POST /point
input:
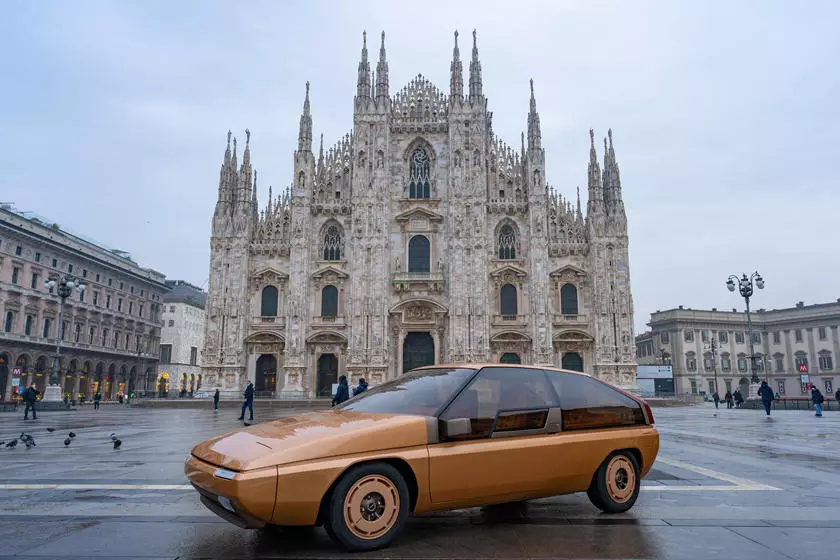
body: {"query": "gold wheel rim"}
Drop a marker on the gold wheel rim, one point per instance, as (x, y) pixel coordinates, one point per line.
(371, 506)
(621, 479)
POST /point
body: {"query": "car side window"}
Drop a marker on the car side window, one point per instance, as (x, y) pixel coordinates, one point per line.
(588, 403)
(525, 393)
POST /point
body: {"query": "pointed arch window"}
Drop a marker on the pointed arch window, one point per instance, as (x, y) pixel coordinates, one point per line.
(419, 254)
(268, 307)
(508, 305)
(507, 242)
(419, 185)
(329, 301)
(568, 300)
(332, 244)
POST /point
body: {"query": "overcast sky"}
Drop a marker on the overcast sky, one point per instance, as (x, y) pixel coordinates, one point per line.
(725, 119)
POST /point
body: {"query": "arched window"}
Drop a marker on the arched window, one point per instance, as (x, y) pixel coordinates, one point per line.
(419, 174)
(268, 307)
(508, 307)
(572, 361)
(419, 254)
(510, 358)
(329, 301)
(10, 317)
(507, 242)
(332, 244)
(568, 300)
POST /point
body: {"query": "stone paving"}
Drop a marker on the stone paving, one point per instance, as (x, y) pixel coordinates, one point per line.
(727, 484)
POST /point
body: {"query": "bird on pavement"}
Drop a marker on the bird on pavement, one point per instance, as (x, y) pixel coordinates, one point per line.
(12, 443)
(113, 437)
(67, 441)
(117, 444)
(71, 434)
(50, 429)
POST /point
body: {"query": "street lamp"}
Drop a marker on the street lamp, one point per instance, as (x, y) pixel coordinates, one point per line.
(64, 287)
(713, 345)
(745, 288)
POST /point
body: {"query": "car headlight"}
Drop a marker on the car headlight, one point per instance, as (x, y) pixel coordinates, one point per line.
(227, 504)
(224, 473)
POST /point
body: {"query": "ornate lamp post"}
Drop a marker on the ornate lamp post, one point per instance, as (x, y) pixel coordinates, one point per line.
(64, 286)
(745, 288)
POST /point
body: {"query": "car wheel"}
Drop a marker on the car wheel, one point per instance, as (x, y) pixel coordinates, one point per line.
(368, 507)
(617, 482)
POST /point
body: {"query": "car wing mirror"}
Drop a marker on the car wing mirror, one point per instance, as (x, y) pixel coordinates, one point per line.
(457, 427)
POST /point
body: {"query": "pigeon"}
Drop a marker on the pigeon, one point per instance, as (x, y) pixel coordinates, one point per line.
(12, 443)
(71, 434)
(50, 430)
(67, 441)
(113, 437)
(117, 444)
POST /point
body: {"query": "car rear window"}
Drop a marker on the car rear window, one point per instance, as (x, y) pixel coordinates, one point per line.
(588, 403)
(422, 392)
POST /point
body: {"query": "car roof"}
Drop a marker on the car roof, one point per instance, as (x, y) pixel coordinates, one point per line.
(481, 365)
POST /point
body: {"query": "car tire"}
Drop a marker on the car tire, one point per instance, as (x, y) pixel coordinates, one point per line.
(616, 485)
(368, 507)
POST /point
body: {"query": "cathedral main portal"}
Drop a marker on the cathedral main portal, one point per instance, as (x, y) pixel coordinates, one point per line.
(418, 350)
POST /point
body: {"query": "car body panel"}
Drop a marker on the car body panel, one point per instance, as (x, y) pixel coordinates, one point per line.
(312, 436)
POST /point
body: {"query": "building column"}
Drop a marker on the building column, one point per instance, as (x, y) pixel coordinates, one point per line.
(62, 377)
(436, 339)
(76, 383)
(400, 343)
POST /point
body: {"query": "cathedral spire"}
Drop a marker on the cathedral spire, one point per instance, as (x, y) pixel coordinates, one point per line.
(321, 156)
(224, 172)
(534, 133)
(363, 81)
(456, 73)
(305, 134)
(612, 177)
(595, 202)
(382, 74)
(475, 72)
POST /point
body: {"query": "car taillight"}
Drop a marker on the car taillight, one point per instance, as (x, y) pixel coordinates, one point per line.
(648, 412)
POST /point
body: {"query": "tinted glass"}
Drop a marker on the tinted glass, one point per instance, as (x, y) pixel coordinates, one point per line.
(499, 388)
(525, 420)
(421, 392)
(588, 403)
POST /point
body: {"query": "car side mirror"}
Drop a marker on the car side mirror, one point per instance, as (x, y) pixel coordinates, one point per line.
(457, 427)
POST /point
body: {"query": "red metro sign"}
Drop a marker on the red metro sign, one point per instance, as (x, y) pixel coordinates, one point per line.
(803, 368)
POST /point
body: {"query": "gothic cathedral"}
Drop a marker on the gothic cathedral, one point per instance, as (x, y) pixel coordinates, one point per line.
(420, 237)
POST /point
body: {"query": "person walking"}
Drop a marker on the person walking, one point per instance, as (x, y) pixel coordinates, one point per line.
(716, 398)
(817, 398)
(766, 394)
(30, 397)
(361, 387)
(837, 398)
(728, 398)
(739, 398)
(96, 398)
(249, 401)
(342, 393)
(216, 401)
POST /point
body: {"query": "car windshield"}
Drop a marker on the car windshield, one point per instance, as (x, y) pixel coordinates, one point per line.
(421, 392)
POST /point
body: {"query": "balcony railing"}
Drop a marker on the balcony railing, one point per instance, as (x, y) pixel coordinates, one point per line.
(569, 318)
(268, 322)
(509, 320)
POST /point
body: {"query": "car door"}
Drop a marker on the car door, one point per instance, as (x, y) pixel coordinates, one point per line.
(510, 449)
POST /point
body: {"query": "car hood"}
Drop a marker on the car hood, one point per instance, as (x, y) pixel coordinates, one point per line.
(315, 435)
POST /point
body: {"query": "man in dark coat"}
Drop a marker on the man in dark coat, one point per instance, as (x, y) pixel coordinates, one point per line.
(766, 394)
(342, 393)
(716, 398)
(249, 401)
(96, 398)
(30, 397)
(837, 397)
(361, 387)
(216, 401)
(817, 398)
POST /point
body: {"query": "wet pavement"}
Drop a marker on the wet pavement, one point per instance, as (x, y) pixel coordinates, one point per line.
(731, 485)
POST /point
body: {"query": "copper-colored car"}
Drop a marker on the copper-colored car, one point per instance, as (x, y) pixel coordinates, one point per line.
(436, 438)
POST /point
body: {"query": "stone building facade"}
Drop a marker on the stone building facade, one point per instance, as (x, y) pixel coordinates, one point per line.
(420, 237)
(181, 339)
(111, 333)
(788, 343)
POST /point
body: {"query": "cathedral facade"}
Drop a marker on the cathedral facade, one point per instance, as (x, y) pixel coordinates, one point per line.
(420, 237)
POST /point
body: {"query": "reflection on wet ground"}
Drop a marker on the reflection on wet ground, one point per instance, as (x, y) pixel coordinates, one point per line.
(703, 499)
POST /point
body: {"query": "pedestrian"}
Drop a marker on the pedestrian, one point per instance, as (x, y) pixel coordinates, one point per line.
(216, 401)
(30, 397)
(249, 401)
(728, 398)
(817, 398)
(342, 393)
(837, 397)
(739, 398)
(96, 398)
(766, 394)
(716, 398)
(121, 397)
(361, 387)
